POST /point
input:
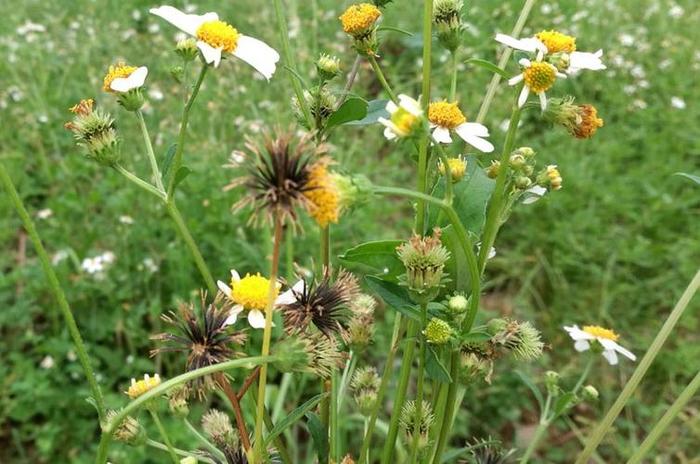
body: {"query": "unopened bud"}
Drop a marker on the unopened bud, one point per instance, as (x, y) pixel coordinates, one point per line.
(448, 22)
(457, 304)
(522, 182)
(365, 386)
(560, 60)
(424, 259)
(187, 49)
(327, 66)
(437, 331)
(458, 167)
(177, 402)
(517, 161)
(526, 152)
(590, 393)
(129, 431)
(493, 170)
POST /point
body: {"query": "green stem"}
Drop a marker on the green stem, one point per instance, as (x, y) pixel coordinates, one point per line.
(289, 256)
(419, 385)
(444, 419)
(346, 378)
(584, 374)
(382, 79)
(140, 183)
(325, 249)
(162, 447)
(334, 438)
(203, 440)
(191, 245)
(182, 135)
(56, 289)
(534, 441)
(108, 429)
(164, 435)
(453, 81)
(639, 372)
(663, 423)
(399, 328)
(289, 63)
(149, 151)
(496, 79)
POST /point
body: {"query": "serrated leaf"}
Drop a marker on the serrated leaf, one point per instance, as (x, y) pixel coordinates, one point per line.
(180, 175)
(692, 177)
(353, 109)
(168, 160)
(488, 65)
(394, 296)
(375, 258)
(293, 416)
(434, 367)
(319, 435)
(375, 109)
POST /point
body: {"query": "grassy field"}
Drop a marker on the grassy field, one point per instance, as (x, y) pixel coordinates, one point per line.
(616, 246)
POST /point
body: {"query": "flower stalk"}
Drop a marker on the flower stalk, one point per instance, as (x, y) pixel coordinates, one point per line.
(163, 434)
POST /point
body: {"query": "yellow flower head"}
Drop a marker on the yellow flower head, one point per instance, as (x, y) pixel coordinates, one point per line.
(458, 167)
(601, 332)
(540, 76)
(557, 42)
(323, 194)
(359, 19)
(138, 388)
(251, 291)
(445, 114)
(219, 34)
(116, 71)
(589, 124)
(554, 177)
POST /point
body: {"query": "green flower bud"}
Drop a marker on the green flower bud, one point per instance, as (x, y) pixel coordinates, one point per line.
(526, 152)
(96, 132)
(327, 66)
(560, 60)
(522, 182)
(177, 402)
(188, 460)
(448, 22)
(551, 381)
(177, 73)
(457, 304)
(517, 161)
(437, 331)
(365, 385)
(493, 170)
(132, 100)
(187, 49)
(495, 326)
(590, 393)
(424, 259)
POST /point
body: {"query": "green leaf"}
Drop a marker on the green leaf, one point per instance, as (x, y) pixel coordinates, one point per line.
(168, 160)
(375, 109)
(394, 296)
(564, 402)
(353, 109)
(375, 258)
(319, 435)
(533, 388)
(488, 65)
(471, 195)
(456, 267)
(180, 175)
(692, 177)
(434, 367)
(395, 29)
(292, 417)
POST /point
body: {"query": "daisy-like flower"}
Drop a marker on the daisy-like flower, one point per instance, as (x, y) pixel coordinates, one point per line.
(605, 337)
(404, 118)
(445, 117)
(203, 335)
(216, 37)
(121, 78)
(247, 294)
(324, 304)
(539, 76)
(139, 387)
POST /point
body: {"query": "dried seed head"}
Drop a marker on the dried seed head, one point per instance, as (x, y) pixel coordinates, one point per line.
(129, 431)
(312, 353)
(365, 385)
(217, 426)
(95, 132)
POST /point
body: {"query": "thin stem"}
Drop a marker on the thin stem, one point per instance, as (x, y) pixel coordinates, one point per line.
(57, 291)
(352, 75)
(202, 439)
(382, 79)
(164, 435)
(191, 245)
(419, 385)
(663, 423)
(149, 151)
(333, 437)
(639, 372)
(289, 257)
(289, 63)
(236, 406)
(140, 183)
(399, 328)
(534, 441)
(496, 79)
(182, 135)
(247, 383)
(454, 55)
(267, 335)
(162, 447)
(444, 418)
(584, 375)
(346, 377)
(325, 249)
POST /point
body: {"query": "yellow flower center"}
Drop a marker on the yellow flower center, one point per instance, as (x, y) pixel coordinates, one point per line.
(119, 70)
(601, 332)
(219, 34)
(323, 195)
(138, 388)
(590, 122)
(251, 291)
(540, 77)
(557, 42)
(458, 167)
(404, 121)
(359, 19)
(445, 114)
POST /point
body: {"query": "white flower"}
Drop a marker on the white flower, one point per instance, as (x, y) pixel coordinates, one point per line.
(122, 78)
(214, 37)
(606, 337)
(539, 76)
(44, 213)
(585, 60)
(678, 103)
(47, 362)
(404, 117)
(529, 44)
(248, 293)
(445, 117)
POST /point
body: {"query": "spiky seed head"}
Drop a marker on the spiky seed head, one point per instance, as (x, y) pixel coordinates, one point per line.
(491, 452)
(312, 353)
(95, 132)
(365, 385)
(438, 332)
(129, 431)
(521, 339)
(410, 427)
(424, 259)
(217, 426)
(177, 401)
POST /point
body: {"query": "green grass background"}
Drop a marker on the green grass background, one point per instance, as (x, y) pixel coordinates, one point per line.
(616, 246)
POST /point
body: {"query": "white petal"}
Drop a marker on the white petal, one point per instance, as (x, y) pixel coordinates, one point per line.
(258, 54)
(472, 133)
(256, 319)
(585, 60)
(288, 296)
(533, 194)
(211, 55)
(225, 289)
(230, 320)
(185, 22)
(475, 128)
(527, 45)
(524, 62)
(611, 356)
(411, 105)
(626, 353)
(480, 144)
(610, 345)
(389, 133)
(576, 333)
(391, 107)
(523, 96)
(442, 135)
(516, 80)
(235, 276)
(133, 81)
(581, 345)
(543, 100)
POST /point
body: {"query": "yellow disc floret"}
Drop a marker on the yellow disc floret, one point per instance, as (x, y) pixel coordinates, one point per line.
(601, 332)
(323, 195)
(458, 167)
(540, 76)
(590, 122)
(219, 34)
(138, 388)
(360, 18)
(445, 114)
(251, 291)
(120, 70)
(557, 42)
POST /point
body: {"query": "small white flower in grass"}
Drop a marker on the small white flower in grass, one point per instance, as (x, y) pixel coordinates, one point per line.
(605, 337)
(445, 117)
(215, 37)
(250, 294)
(678, 103)
(404, 118)
(538, 77)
